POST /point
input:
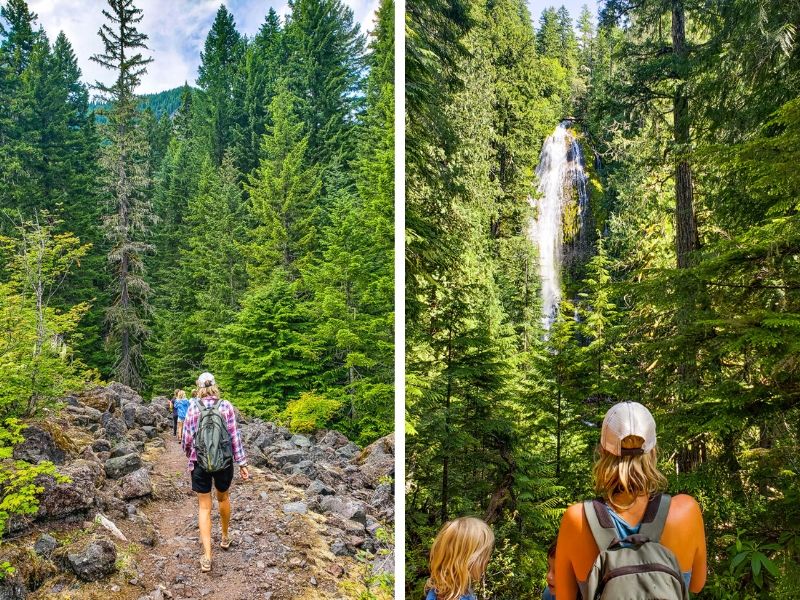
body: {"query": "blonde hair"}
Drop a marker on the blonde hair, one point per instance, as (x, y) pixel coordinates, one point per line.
(205, 391)
(635, 474)
(180, 394)
(459, 555)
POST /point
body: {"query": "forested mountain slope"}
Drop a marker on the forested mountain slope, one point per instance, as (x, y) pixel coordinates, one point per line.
(685, 297)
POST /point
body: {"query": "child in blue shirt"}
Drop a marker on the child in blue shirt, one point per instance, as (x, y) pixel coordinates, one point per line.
(459, 557)
(181, 407)
(550, 590)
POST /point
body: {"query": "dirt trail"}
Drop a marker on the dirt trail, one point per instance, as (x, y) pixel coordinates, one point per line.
(273, 555)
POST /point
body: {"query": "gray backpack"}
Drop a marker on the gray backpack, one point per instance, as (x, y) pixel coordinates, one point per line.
(213, 442)
(638, 567)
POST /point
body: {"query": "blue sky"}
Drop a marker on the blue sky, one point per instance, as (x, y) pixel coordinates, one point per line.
(177, 31)
(573, 6)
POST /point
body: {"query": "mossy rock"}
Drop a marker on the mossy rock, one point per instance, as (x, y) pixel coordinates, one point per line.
(30, 570)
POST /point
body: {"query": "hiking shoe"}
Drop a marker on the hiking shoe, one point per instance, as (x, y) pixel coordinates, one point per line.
(225, 543)
(205, 564)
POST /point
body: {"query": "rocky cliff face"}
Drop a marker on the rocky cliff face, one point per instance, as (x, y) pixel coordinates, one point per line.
(106, 441)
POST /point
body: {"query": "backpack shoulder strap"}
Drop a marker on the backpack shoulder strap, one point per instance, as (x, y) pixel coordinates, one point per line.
(655, 516)
(600, 523)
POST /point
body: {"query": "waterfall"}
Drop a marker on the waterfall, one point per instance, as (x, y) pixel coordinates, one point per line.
(560, 172)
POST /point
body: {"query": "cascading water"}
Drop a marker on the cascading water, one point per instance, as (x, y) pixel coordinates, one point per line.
(560, 170)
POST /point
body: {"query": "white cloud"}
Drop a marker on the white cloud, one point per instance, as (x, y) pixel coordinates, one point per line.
(177, 30)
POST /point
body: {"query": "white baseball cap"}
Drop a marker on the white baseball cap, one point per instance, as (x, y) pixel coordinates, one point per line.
(206, 379)
(626, 419)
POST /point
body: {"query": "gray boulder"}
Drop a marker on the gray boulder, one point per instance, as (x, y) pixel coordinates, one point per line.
(332, 439)
(129, 414)
(135, 484)
(382, 500)
(146, 415)
(301, 441)
(95, 561)
(38, 446)
(13, 588)
(161, 405)
(122, 465)
(115, 428)
(376, 461)
(347, 451)
(123, 449)
(45, 545)
(59, 500)
(296, 508)
(353, 511)
(304, 467)
(124, 394)
(83, 415)
(319, 488)
(288, 457)
(149, 431)
(101, 445)
(339, 548)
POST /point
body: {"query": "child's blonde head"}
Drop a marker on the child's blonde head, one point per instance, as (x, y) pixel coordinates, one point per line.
(459, 556)
(180, 394)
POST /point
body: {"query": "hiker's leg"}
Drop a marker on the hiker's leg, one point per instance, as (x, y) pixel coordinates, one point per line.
(224, 499)
(174, 423)
(180, 430)
(204, 520)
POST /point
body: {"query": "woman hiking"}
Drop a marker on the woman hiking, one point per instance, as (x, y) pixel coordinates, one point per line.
(211, 456)
(631, 517)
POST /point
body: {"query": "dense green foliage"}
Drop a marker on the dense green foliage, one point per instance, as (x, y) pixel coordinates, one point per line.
(243, 226)
(688, 304)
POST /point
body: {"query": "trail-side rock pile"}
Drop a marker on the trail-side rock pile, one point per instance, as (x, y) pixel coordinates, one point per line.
(104, 440)
(351, 487)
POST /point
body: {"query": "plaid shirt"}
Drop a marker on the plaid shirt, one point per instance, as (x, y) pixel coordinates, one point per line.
(192, 422)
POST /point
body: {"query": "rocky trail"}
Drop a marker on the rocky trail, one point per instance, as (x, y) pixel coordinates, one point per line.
(313, 520)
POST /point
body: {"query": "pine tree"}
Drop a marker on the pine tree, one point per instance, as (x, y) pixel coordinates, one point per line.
(263, 65)
(220, 61)
(325, 61)
(516, 118)
(284, 195)
(125, 162)
(548, 38)
(266, 357)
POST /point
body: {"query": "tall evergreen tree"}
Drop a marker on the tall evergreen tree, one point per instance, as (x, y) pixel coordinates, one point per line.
(284, 195)
(220, 62)
(263, 66)
(125, 162)
(324, 71)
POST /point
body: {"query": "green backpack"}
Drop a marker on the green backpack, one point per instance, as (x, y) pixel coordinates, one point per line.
(213, 442)
(638, 567)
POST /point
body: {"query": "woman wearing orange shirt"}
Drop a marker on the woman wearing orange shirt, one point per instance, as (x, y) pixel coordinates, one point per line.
(626, 476)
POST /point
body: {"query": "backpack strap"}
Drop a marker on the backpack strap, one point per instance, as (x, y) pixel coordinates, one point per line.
(603, 530)
(655, 516)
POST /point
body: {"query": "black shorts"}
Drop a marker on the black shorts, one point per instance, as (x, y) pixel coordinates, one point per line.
(201, 479)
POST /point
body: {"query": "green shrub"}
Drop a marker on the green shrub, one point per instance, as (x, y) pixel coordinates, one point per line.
(20, 492)
(310, 412)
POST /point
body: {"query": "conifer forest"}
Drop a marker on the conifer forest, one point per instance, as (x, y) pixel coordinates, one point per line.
(603, 207)
(242, 225)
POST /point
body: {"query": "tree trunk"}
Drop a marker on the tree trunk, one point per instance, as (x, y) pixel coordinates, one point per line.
(446, 442)
(686, 236)
(558, 433)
